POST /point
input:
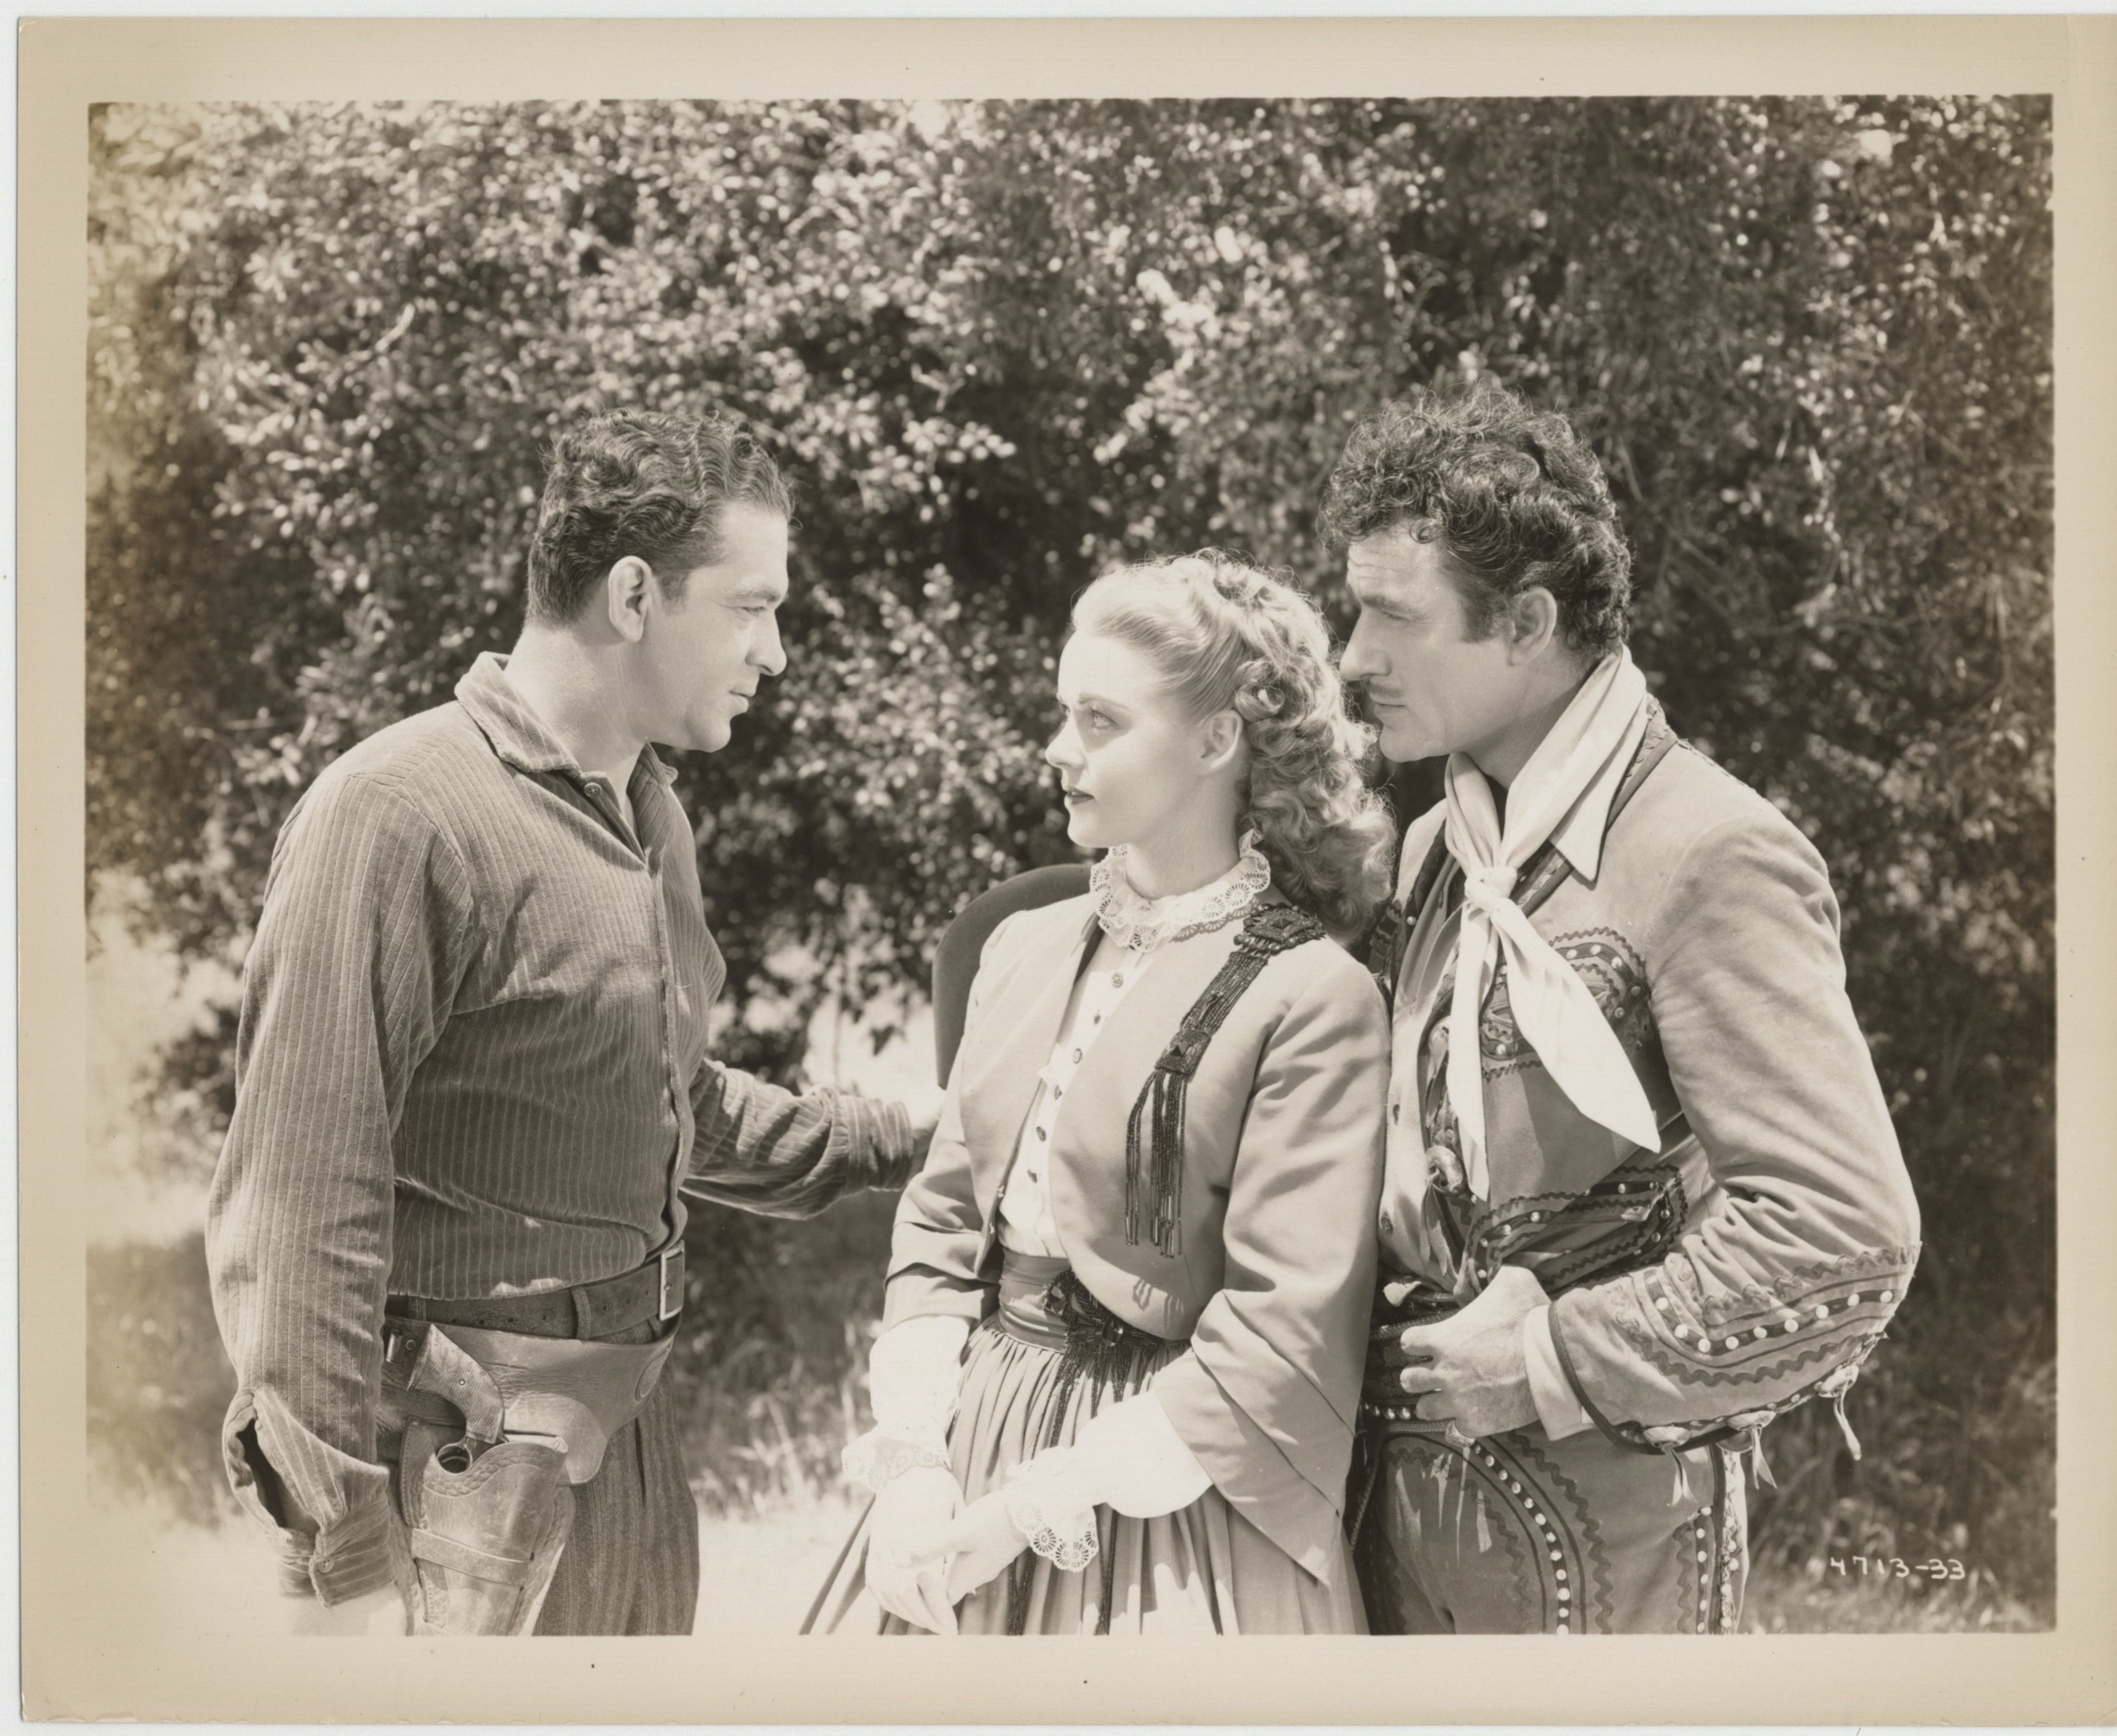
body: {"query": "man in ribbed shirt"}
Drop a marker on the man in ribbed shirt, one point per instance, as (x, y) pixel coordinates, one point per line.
(472, 1078)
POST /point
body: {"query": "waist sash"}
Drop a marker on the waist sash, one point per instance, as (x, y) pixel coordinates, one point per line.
(1042, 1302)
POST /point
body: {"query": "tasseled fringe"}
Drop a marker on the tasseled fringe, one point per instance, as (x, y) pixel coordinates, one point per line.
(1154, 1134)
(1109, 1554)
(1160, 1108)
(1133, 1150)
(1020, 1571)
(1681, 1491)
(1100, 1347)
(1170, 1096)
(1160, 1113)
(1845, 1427)
(1110, 1354)
(1484, 1529)
(1760, 1471)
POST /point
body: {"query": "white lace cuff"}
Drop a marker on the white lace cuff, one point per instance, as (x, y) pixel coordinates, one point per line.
(913, 1372)
(876, 1458)
(1045, 1500)
(1130, 1458)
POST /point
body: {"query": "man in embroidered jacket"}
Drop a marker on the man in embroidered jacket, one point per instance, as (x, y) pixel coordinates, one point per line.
(1643, 1193)
(472, 1065)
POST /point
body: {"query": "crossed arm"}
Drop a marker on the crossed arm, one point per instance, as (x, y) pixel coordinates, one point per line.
(1798, 1255)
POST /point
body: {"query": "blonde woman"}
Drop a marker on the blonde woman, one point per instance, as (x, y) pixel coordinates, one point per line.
(1117, 1380)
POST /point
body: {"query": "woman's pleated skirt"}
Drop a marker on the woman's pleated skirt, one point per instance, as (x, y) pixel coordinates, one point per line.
(1201, 1569)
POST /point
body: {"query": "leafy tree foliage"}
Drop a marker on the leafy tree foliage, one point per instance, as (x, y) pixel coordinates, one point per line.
(1002, 345)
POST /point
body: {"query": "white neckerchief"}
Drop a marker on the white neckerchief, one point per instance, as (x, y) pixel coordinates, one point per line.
(1557, 1016)
(1140, 924)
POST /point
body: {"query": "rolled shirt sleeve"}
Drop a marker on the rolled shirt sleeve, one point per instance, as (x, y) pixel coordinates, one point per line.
(346, 989)
(767, 1150)
(1798, 1254)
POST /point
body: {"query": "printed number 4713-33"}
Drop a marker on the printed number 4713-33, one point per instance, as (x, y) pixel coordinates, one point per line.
(1891, 1567)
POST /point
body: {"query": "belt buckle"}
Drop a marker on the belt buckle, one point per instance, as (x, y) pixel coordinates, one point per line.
(667, 1307)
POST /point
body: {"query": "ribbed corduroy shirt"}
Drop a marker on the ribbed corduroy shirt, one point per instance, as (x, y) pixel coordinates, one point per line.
(472, 1062)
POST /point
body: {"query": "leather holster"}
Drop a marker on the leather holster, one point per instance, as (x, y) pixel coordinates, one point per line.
(496, 1428)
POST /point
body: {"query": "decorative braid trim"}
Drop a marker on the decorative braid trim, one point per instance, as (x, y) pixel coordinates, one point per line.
(1717, 1430)
(1153, 1135)
(1796, 1285)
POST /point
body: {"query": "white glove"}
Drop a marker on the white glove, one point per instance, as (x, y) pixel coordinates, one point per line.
(906, 1567)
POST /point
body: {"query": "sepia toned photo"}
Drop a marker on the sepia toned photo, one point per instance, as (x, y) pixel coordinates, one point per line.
(385, 395)
(1070, 866)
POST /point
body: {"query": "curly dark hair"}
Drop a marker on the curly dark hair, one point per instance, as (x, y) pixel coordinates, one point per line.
(1513, 495)
(636, 482)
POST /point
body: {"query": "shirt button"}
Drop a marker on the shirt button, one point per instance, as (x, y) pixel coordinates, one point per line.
(1077, 1056)
(1057, 1091)
(1117, 980)
(1041, 1134)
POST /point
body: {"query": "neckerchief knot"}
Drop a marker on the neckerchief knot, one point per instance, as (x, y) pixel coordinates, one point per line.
(1553, 1007)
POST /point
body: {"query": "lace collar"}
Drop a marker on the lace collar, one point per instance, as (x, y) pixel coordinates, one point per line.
(1138, 924)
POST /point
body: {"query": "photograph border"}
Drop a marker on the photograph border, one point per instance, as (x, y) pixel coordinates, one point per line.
(79, 1662)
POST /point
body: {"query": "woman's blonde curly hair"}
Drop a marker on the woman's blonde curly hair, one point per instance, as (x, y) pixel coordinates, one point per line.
(1233, 637)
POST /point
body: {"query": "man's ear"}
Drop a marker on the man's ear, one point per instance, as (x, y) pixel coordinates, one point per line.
(1530, 625)
(626, 589)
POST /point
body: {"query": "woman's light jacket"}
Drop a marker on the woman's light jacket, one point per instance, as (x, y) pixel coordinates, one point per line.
(1282, 1175)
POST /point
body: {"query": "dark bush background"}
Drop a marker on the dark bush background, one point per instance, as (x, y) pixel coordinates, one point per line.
(1000, 345)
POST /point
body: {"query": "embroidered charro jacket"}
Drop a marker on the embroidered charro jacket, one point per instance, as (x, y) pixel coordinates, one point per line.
(1753, 1261)
(1282, 1157)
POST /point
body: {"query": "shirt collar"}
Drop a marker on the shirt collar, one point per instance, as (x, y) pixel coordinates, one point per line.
(517, 735)
(655, 766)
(1579, 837)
